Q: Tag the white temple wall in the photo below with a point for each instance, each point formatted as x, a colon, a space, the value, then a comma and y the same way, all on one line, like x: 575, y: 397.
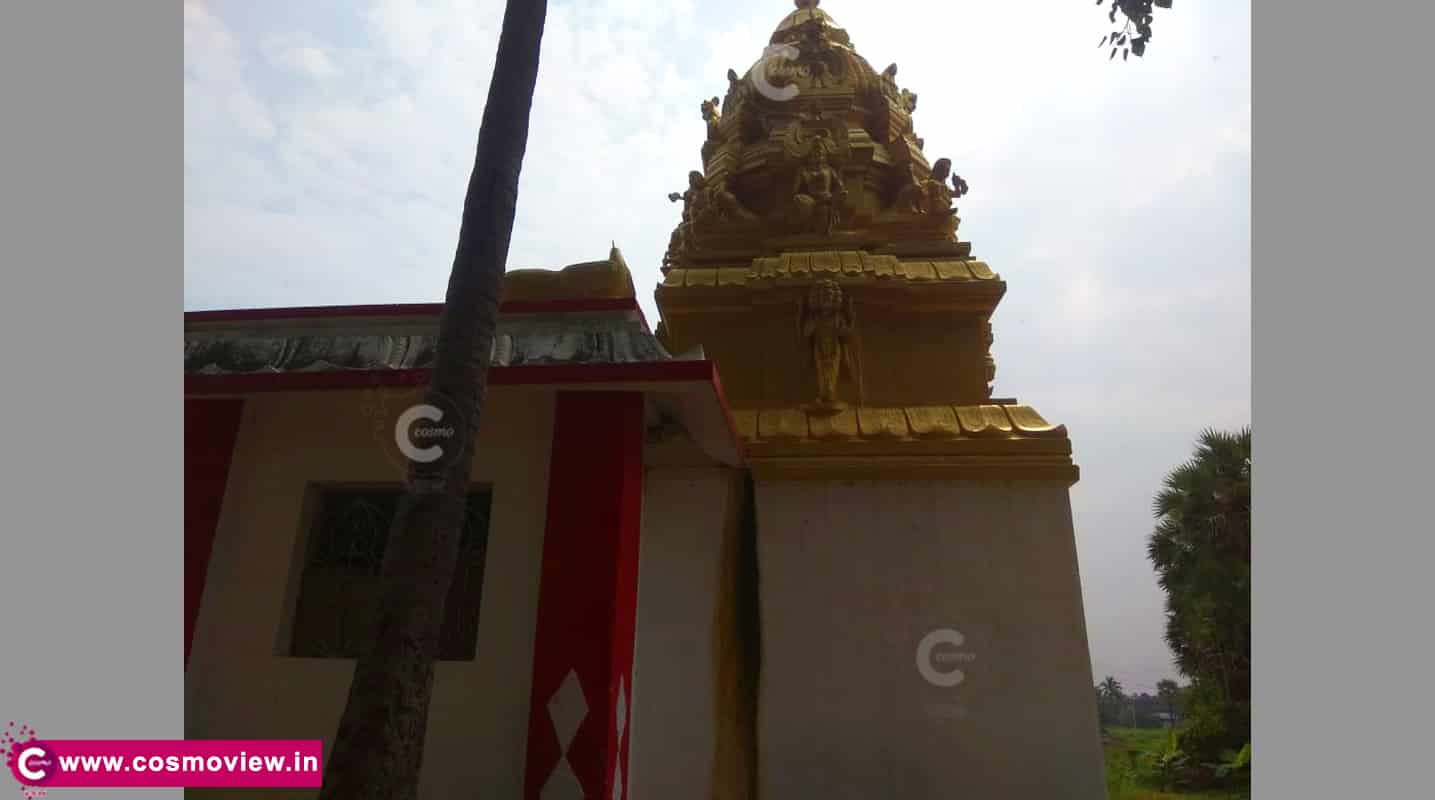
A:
x: 673, y: 738
x: 854, y: 575
x: 238, y: 684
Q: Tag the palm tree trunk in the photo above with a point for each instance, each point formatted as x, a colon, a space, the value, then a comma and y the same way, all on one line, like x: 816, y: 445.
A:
x: 378, y: 750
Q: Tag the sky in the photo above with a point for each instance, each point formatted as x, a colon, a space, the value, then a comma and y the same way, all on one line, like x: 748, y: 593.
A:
x: 328, y: 146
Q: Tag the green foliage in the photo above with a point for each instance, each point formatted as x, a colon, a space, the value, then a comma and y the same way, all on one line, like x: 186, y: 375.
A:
x: 1235, y: 764
x: 1149, y: 765
x: 1201, y: 549
x: 1136, y: 33
x: 1110, y: 696
x: 1168, y: 766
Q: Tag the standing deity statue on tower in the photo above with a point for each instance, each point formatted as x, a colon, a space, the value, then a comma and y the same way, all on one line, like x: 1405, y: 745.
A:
x: 827, y: 322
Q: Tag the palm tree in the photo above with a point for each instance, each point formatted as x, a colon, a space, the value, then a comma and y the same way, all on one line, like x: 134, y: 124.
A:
x: 1167, y: 690
x: 1112, y: 696
x: 1201, y: 549
x: 379, y: 745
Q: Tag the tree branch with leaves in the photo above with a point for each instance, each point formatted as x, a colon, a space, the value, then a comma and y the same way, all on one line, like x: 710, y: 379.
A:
x: 1135, y: 33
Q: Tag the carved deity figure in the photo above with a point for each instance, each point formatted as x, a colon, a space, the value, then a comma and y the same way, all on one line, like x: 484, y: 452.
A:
x: 815, y: 60
x: 694, y: 198
x: 673, y: 255
x: 817, y: 189
x: 704, y: 202
x: 932, y: 195
x: 991, y: 364
x: 827, y: 322
x: 959, y: 187
x: 938, y: 196
x: 711, y: 115
x: 725, y: 205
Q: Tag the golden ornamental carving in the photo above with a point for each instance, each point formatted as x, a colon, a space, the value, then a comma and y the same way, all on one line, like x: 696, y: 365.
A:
x: 989, y: 363
x: 815, y: 195
x: 712, y: 115
x: 811, y: 145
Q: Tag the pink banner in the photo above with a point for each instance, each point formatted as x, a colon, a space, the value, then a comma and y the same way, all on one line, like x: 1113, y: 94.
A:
x: 238, y: 763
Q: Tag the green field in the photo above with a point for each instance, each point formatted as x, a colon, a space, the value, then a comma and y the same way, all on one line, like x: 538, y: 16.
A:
x: 1124, y: 747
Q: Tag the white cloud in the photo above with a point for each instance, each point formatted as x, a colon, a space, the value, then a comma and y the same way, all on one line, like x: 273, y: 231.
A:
x: 218, y: 103
x: 295, y: 52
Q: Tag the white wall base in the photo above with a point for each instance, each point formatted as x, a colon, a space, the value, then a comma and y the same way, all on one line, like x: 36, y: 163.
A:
x: 855, y: 575
x: 672, y: 743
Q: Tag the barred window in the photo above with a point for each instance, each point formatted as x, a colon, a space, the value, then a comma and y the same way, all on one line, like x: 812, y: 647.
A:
x: 337, y: 606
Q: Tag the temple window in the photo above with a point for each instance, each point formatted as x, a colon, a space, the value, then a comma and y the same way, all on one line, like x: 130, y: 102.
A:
x: 336, y: 607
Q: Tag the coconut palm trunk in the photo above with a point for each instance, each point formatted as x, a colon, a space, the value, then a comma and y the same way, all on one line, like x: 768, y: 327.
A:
x: 378, y: 750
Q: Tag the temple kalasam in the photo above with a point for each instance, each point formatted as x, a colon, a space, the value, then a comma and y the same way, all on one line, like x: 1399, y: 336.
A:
x: 786, y: 544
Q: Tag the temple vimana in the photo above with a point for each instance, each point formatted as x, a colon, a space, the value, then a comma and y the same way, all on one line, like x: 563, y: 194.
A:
x: 788, y: 542
x: 818, y: 263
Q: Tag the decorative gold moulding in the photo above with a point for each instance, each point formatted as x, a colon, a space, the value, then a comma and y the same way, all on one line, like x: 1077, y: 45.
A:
x: 590, y: 280
x: 944, y: 442
x: 841, y: 264
x: 919, y: 335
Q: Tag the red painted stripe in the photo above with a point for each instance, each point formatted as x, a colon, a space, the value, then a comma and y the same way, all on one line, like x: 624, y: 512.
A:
x: 246, y: 383
x: 311, y: 312
x: 210, y: 428
x: 588, y: 586
x: 525, y: 375
x: 727, y: 412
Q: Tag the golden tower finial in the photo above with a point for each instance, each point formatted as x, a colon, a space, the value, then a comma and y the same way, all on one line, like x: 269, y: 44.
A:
x: 801, y: 4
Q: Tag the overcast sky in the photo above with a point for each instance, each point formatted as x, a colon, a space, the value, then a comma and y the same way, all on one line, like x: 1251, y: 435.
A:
x: 328, y: 144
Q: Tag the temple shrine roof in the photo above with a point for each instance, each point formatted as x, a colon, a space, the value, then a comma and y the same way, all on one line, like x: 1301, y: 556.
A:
x: 583, y: 314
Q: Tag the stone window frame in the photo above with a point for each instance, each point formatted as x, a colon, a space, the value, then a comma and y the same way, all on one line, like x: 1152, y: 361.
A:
x: 311, y: 578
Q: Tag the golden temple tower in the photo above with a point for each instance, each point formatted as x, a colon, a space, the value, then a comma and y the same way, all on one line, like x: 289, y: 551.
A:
x: 818, y: 263
x: 903, y: 512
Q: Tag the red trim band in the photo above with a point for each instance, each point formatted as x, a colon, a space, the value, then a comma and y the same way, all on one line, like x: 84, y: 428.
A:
x: 558, y: 306
x: 525, y: 375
